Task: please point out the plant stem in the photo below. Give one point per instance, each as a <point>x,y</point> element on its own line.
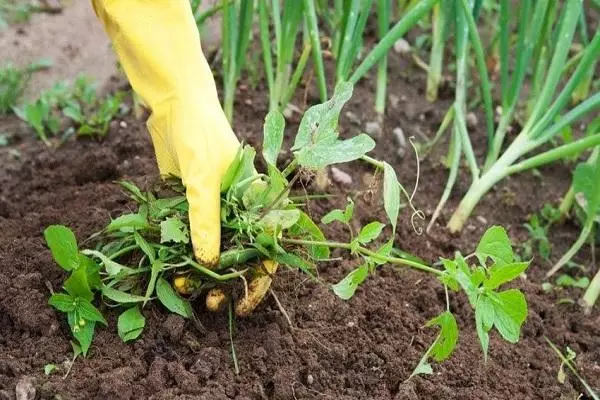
<point>233,354</point>
<point>434,74</point>
<point>213,274</point>
<point>366,252</point>
<point>315,40</point>
<point>383,16</point>
<point>591,294</point>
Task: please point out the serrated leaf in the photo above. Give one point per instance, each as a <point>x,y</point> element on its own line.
<point>370,232</point>
<point>63,245</point>
<point>330,152</point>
<point>503,273</point>
<point>77,285</point>
<point>496,245</point>
<point>62,302</point>
<point>277,220</point>
<point>128,223</point>
<point>120,296</point>
<point>306,228</point>
<point>87,311</point>
<point>320,121</point>
<point>145,246</point>
<point>273,136</point>
<point>391,194</point>
<point>346,288</point>
<point>448,337</point>
<point>131,323</point>
<point>510,311</point>
<point>171,300</point>
<point>173,230</point>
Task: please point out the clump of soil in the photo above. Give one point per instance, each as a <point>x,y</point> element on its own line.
<point>361,349</point>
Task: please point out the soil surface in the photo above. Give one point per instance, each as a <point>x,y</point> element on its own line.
<point>365,348</point>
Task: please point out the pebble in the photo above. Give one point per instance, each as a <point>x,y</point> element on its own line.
<point>25,389</point>
<point>373,128</point>
<point>309,379</point>
<point>400,136</point>
<point>340,176</point>
<point>123,124</point>
<point>482,220</point>
<point>471,228</point>
<point>352,117</point>
<point>394,100</point>
<point>471,120</point>
<point>402,46</point>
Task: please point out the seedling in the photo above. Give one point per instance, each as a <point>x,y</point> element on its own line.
<point>567,361</point>
<point>13,82</point>
<point>140,257</point>
<point>63,105</point>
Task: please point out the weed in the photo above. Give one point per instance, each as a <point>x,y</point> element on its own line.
<point>13,82</point>
<point>139,257</point>
<point>567,361</point>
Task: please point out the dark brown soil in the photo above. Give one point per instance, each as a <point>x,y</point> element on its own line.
<point>361,349</point>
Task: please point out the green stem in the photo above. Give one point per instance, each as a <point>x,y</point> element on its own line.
<point>434,74</point>
<point>383,11</point>
<point>213,274</point>
<point>265,41</point>
<point>313,30</point>
<point>591,294</point>
<point>410,19</point>
<point>583,235</point>
<point>366,252</point>
<point>124,250</point>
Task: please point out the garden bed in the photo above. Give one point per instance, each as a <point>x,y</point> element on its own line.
<point>365,348</point>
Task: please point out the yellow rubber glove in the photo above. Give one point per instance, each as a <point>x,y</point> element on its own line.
<point>159,48</point>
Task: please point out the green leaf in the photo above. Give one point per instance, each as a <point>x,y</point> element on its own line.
<point>84,335</point>
<point>62,302</point>
<point>232,171</point>
<point>320,122</point>
<point>295,261</point>
<point>121,297</point>
<point>131,324</point>
<point>171,300</point>
<point>568,281</point>
<point>384,251</point>
<point>495,244</point>
<point>585,180</point>
<point>391,194</point>
<point>112,267</point>
<point>87,311</point>
<point>77,285</point>
<point>157,267</point>
<point>343,216</point>
<point>446,341</point>
<point>499,274</point>
<point>128,223</point>
<point>49,368</point>
<point>92,270</point>
<point>324,153</point>
<point>306,228</point>
<point>240,182</point>
<point>145,246</point>
<point>273,136</point>
<point>173,230</point>
<point>510,309</point>
<point>63,245</point>
<point>277,220</point>
<point>346,288</point>
<point>370,232</point>
<point>484,320</point>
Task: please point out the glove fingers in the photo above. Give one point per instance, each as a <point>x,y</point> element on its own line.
<point>257,289</point>
<point>205,221</point>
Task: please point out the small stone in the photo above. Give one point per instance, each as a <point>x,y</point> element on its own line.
<point>401,152</point>
<point>402,46</point>
<point>352,117</point>
<point>471,228</point>
<point>471,120</point>
<point>25,389</point>
<point>373,128</point>
<point>310,379</point>
<point>248,102</point>
<point>482,220</point>
<point>123,124</point>
<point>400,137</point>
<point>350,324</point>
<point>340,176</point>
<point>394,100</point>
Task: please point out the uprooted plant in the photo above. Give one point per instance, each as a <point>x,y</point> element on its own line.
<point>147,255</point>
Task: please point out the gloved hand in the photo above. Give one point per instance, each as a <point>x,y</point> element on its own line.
<point>158,45</point>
